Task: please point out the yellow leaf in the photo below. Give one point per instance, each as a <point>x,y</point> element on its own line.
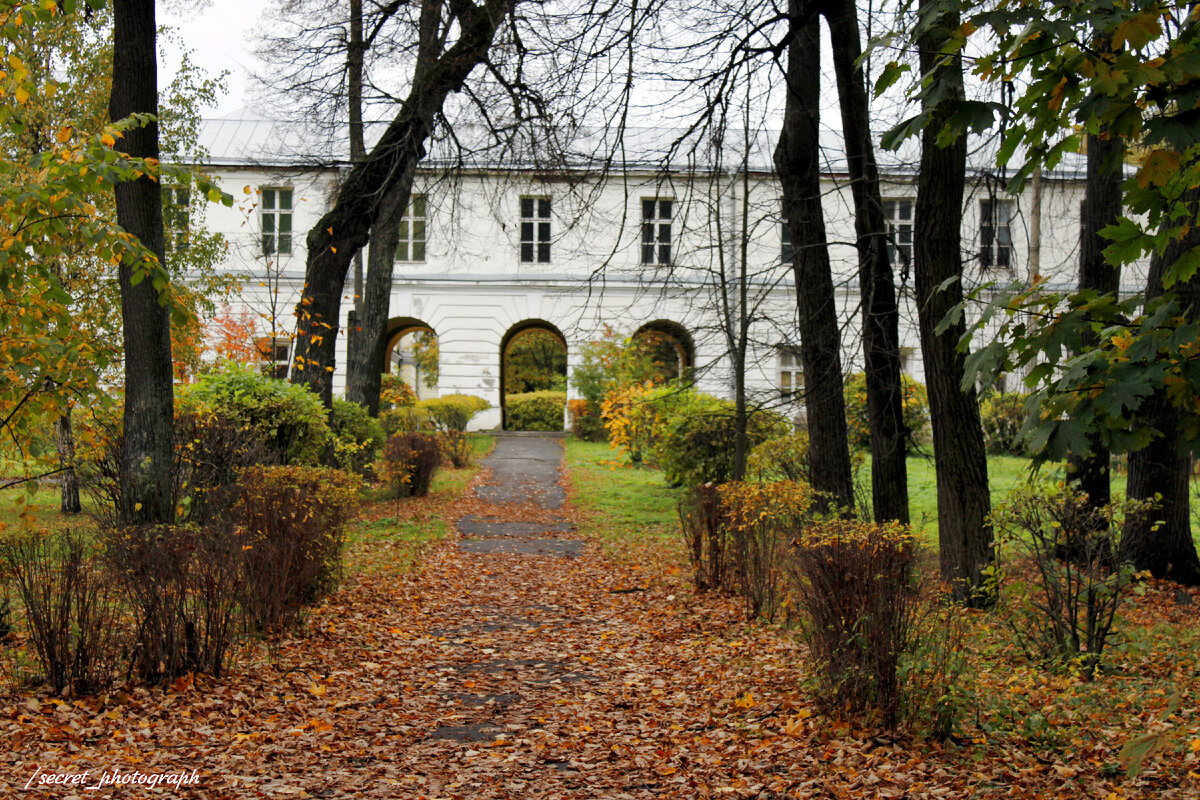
<point>246,189</point>
<point>108,140</point>
<point>21,95</point>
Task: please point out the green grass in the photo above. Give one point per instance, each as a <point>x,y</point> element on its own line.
<point>622,504</point>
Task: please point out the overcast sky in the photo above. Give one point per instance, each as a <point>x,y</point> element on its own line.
<point>217,35</point>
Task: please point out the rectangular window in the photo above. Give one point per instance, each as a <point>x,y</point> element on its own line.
<point>656,231</point>
<point>995,234</point>
<point>176,201</point>
<point>907,356</point>
<point>273,355</point>
<point>276,212</point>
<point>786,252</point>
<point>899,217</point>
<point>535,229</point>
<point>791,374</point>
<point>412,231</point>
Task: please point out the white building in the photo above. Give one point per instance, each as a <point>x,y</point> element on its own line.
<point>490,250</point>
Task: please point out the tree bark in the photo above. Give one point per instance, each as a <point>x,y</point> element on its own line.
<point>64,439</point>
<point>964,534</point>
<point>345,228</point>
<point>146,454</point>
<point>797,160</point>
<point>1161,540</point>
<point>365,350</point>
<point>880,313</point>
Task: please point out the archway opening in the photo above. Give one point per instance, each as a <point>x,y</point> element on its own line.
<point>533,358</point>
<point>668,347</point>
<point>411,356</point>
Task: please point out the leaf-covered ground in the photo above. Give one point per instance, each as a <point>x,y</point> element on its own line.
<point>518,676</point>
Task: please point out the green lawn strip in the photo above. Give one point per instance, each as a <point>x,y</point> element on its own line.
<point>392,536</point>
<point>623,505</point>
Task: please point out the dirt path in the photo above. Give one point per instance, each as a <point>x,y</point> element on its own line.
<point>520,664</point>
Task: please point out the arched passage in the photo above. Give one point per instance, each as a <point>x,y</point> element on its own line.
<point>412,353</point>
<point>669,346</point>
<point>533,357</point>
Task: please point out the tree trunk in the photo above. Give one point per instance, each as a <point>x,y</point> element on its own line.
<point>1101,208</point>
<point>146,454</point>
<point>1161,541</point>
<point>880,314</point>
<point>964,534</point>
<point>345,228</point>
<point>366,351</point>
<point>797,160</point>
<point>355,56</point>
<point>64,439</point>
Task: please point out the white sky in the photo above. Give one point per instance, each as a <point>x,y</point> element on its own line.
<point>218,36</point>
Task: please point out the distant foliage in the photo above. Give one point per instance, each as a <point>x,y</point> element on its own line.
<point>636,415</point>
<point>782,458</point>
<point>535,411</point>
<point>405,419</point>
<point>696,443</point>
<point>916,410</point>
<point>535,361</point>
<point>289,419</point>
<point>1003,415</point>
<point>611,365</point>
<point>357,436</point>
<point>586,423</point>
<point>394,392</point>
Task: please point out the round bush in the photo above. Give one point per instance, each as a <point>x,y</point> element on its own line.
<point>916,410</point>
<point>783,458</point>
<point>697,440</point>
<point>454,411</point>
<point>357,435</point>
<point>535,411</point>
<point>1002,416</point>
<point>289,419</point>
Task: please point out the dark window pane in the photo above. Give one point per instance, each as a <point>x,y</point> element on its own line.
<point>402,251</point>
<point>526,231</point>
<point>664,208</point>
<point>268,223</point>
<point>418,228</point>
<point>285,198</point>
<point>418,206</point>
<point>889,209</point>
<point>268,243</point>
<point>403,230</point>
<point>527,251</point>
<point>647,232</point>
<point>285,243</point>
<point>544,252</point>
<point>544,208</point>
<point>543,231</point>
<point>285,223</point>
<point>906,209</point>
<point>664,233</point>
<point>647,209</point>
<point>418,251</point>
<point>647,254</point>
<point>268,198</point>
<point>526,206</point>
<point>664,254</point>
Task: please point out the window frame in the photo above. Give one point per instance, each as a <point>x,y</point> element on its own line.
<point>657,232</point>
<point>409,240</point>
<point>994,253</point>
<point>177,204</point>
<point>276,242</point>
<point>896,229</point>
<point>789,373</point>
<point>535,229</point>
<point>274,355</point>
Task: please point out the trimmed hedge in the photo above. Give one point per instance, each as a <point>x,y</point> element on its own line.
<point>535,411</point>
<point>288,419</point>
<point>454,411</point>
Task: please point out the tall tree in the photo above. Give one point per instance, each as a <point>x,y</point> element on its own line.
<point>346,227</point>
<point>963,502</point>
<point>797,160</point>
<point>146,321</point>
<point>880,312</point>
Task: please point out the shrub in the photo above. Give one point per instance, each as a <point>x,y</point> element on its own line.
<point>586,423</point>
<point>183,584</point>
<point>535,411</point>
<point>70,608</point>
<point>761,519</point>
<point>916,410</point>
<point>409,463</point>
<point>357,436</point>
<point>785,458</point>
<point>292,521</point>
<point>454,411</point>
<point>1003,415</point>
<point>405,419</point>
<point>855,587</point>
<point>697,440</point>
<point>289,419</point>
<point>703,523</point>
<point>633,416</point>
<point>1077,579</point>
